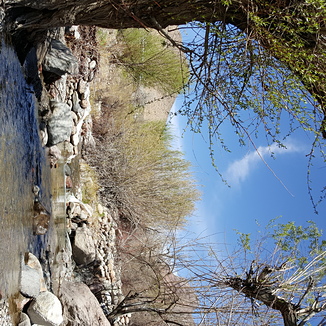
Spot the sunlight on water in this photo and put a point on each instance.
(22, 164)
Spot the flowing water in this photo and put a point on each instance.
(22, 165)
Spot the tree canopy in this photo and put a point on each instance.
(276, 279)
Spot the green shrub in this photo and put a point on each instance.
(151, 61)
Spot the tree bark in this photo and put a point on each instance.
(309, 63)
(263, 293)
(119, 13)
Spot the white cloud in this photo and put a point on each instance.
(239, 170)
(174, 124)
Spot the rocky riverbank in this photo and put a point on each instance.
(80, 283)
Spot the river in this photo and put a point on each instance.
(23, 164)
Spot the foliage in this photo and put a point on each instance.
(151, 61)
(153, 189)
(257, 76)
(148, 181)
(299, 242)
(263, 282)
(153, 291)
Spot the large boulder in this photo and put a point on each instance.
(45, 310)
(84, 249)
(59, 59)
(60, 123)
(24, 320)
(30, 282)
(34, 263)
(31, 277)
(80, 307)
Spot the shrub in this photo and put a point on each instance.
(148, 181)
(149, 59)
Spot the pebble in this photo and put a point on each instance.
(5, 319)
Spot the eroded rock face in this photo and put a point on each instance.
(80, 306)
(45, 310)
(59, 60)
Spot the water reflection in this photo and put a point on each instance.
(22, 164)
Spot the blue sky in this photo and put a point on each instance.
(260, 189)
(257, 192)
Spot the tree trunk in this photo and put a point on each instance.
(119, 13)
(308, 62)
(263, 293)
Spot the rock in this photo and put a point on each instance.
(80, 307)
(69, 148)
(74, 130)
(24, 320)
(75, 103)
(100, 209)
(83, 248)
(69, 183)
(82, 85)
(36, 190)
(74, 117)
(55, 151)
(54, 154)
(59, 60)
(31, 279)
(83, 216)
(33, 262)
(92, 64)
(44, 137)
(20, 301)
(84, 104)
(59, 90)
(60, 123)
(41, 219)
(45, 310)
(73, 31)
(74, 139)
(29, 282)
(91, 76)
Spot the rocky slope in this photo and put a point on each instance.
(80, 284)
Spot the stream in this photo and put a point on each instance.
(23, 164)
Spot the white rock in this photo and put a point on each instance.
(82, 85)
(74, 139)
(80, 306)
(45, 310)
(44, 137)
(29, 282)
(92, 64)
(74, 117)
(84, 249)
(24, 320)
(34, 263)
(100, 209)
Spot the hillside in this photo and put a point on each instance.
(153, 102)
